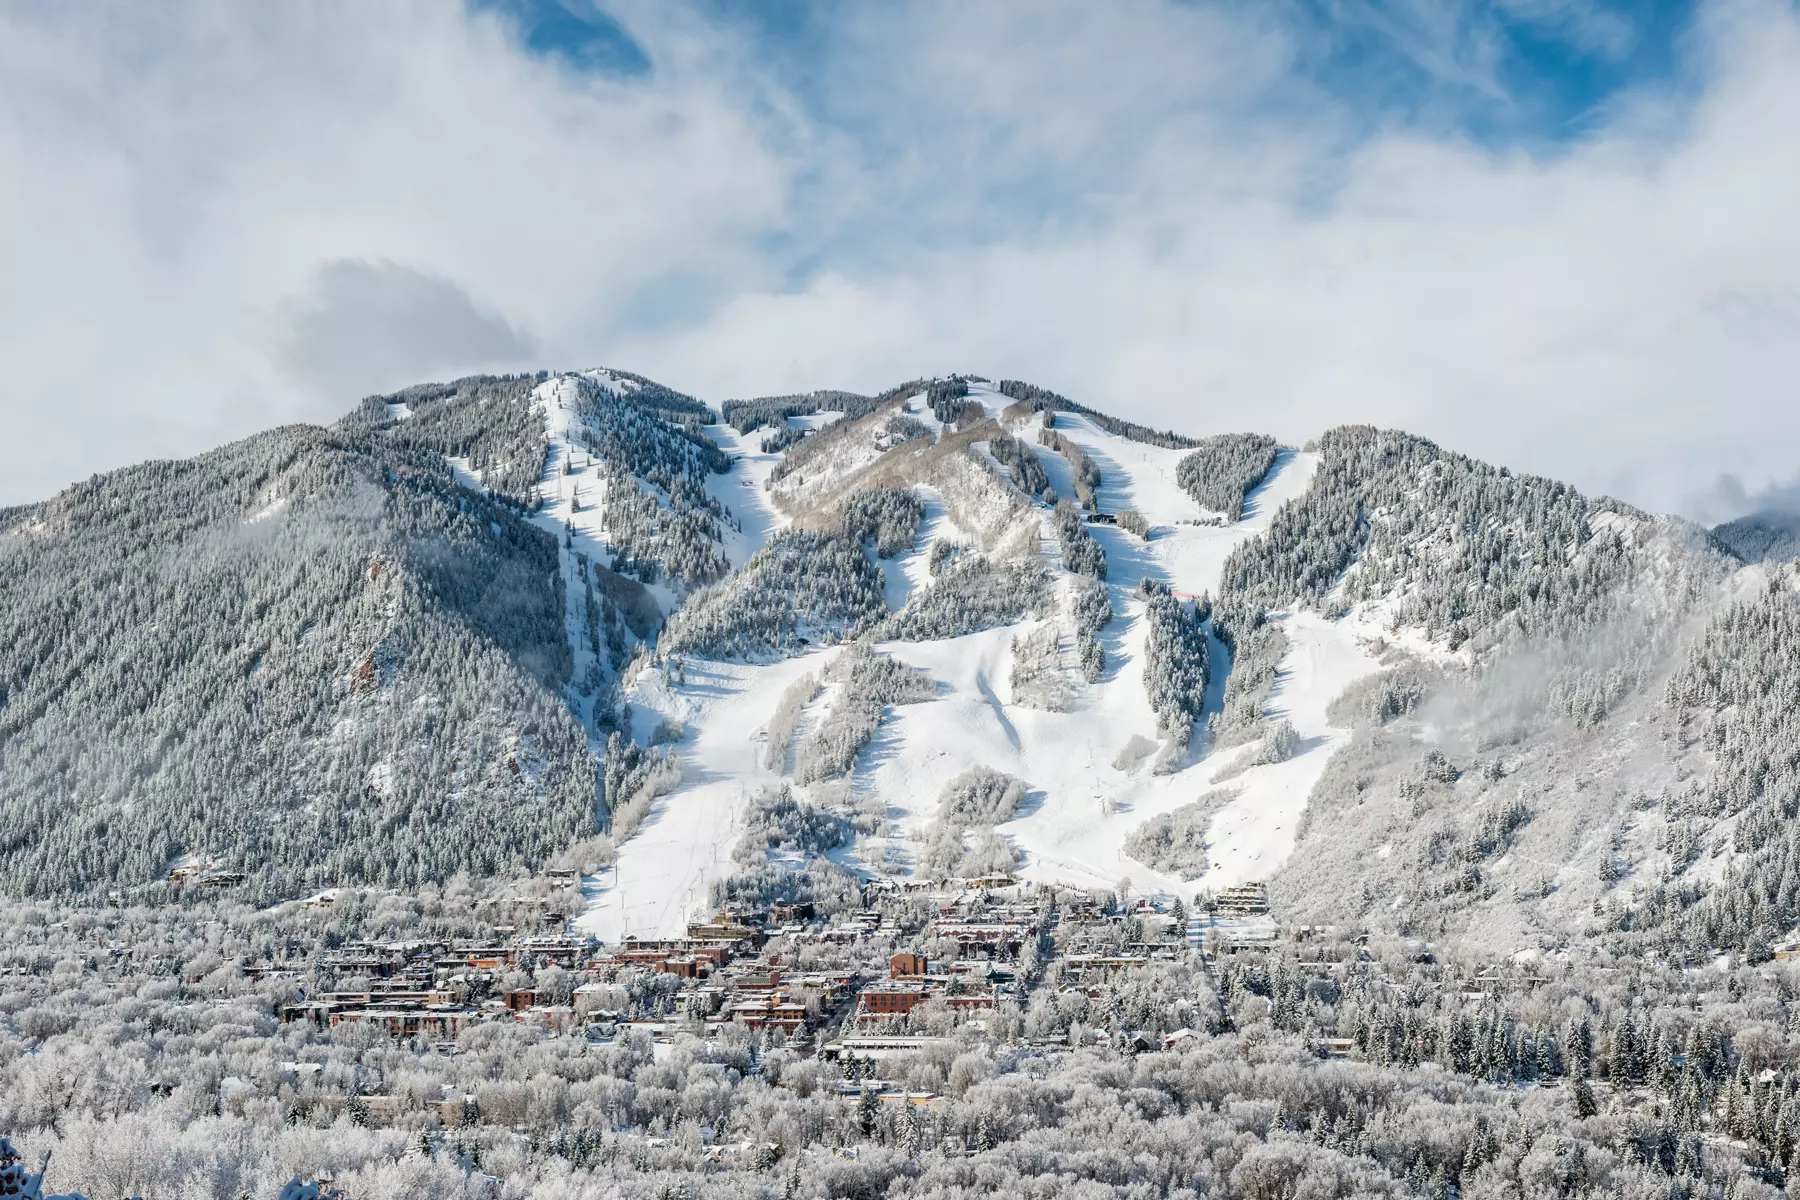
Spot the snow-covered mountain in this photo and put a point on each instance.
(958, 628)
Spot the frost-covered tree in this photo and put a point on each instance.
(802, 587)
(889, 517)
(1175, 662)
(969, 594)
(1225, 468)
(869, 684)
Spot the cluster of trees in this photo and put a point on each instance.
(1256, 655)
(1082, 470)
(830, 889)
(748, 415)
(309, 656)
(1175, 842)
(1761, 537)
(1224, 469)
(486, 419)
(981, 796)
(1463, 549)
(633, 777)
(1022, 465)
(613, 613)
(1036, 676)
(1043, 400)
(778, 823)
(1092, 604)
(901, 428)
(784, 437)
(981, 504)
(889, 517)
(970, 592)
(945, 398)
(1176, 670)
(1388, 694)
(851, 424)
(973, 803)
(659, 519)
(665, 403)
(1739, 692)
(801, 587)
(869, 684)
(1081, 553)
(786, 718)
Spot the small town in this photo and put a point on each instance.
(915, 966)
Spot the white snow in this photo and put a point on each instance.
(744, 491)
(465, 474)
(1081, 808)
(662, 873)
(1255, 833)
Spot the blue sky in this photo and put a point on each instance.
(1553, 233)
(1534, 74)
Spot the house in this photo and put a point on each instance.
(778, 1011)
(907, 966)
(963, 1002)
(724, 929)
(1138, 1041)
(1251, 900)
(1182, 1037)
(889, 999)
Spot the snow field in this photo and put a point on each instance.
(1081, 808)
(660, 879)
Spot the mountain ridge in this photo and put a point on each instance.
(590, 537)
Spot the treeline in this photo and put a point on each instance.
(1176, 670)
(746, 416)
(802, 587)
(1043, 400)
(1224, 469)
(487, 419)
(969, 593)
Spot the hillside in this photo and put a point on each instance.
(476, 623)
(307, 657)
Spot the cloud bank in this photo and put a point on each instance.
(1172, 211)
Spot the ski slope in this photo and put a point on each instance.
(660, 878)
(1081, 807)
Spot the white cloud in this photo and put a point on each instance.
(1149, 207)
(170, 192)
(1615, 314)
